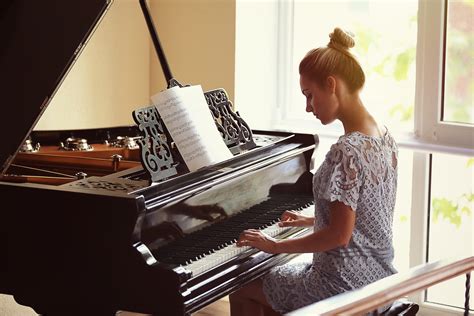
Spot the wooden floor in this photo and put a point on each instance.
(218, 308)
(9, 307)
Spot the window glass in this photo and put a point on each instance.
(451, 221)
(386, 48)
(459, 69)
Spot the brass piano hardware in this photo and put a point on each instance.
(28, 147)
(73, 144)
(115, 161)
(80, 175)
(124, 142)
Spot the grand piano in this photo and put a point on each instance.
(88, 225)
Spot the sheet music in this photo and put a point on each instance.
(186, 115)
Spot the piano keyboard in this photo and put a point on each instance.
(214, 245)
(213, 259)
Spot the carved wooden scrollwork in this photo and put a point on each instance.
(155, 148)
(234, 130)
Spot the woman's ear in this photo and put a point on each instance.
(331, 84)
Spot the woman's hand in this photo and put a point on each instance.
(295, 219)
(257, 239)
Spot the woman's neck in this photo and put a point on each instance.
(355, 118)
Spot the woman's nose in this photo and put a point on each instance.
(309, 107)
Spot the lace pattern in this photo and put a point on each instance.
(361, 172)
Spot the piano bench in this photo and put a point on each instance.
(402, 307)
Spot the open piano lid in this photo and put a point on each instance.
(40, 41)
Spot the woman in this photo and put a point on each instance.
(354, 191)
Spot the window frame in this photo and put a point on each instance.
(432, 135)
(430, 76)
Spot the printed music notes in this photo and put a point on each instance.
(186, 115)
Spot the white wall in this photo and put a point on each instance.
(111, 77)
(198, 38)
(256, 94)
(119, 70)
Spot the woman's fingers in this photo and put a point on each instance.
(250, 237)
(289, 218)
(286, 223)
(248, 234)
(247, 241)
(257, 239)
(289, 215)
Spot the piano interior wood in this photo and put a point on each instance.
(49, 163)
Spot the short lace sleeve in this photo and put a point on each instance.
(344, 177)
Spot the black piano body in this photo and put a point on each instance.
(116, 241)
(103, 243)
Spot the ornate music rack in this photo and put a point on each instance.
(159, 155)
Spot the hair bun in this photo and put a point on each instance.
(341, 39)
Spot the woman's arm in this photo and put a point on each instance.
(338, 233)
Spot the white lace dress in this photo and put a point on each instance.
(361, 172)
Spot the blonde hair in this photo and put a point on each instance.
(334, 59)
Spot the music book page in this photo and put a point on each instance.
(187, 117)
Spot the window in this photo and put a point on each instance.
(459, 77)
(417, 55)
(435, 106)
(386, 49)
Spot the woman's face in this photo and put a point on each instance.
(321, 101)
